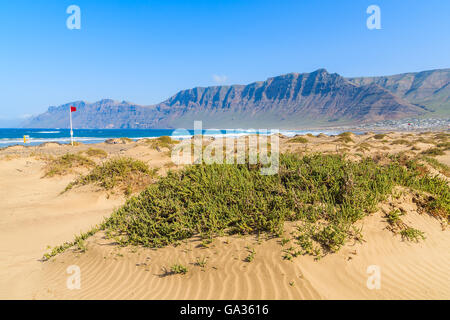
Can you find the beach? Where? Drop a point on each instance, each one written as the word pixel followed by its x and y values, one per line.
pixel 37 214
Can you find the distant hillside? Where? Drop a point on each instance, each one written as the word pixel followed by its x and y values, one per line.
pixel 288 101
pixel 428 88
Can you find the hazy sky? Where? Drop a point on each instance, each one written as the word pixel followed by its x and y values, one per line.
pixel 145 51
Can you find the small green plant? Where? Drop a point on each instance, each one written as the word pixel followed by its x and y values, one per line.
pixel 251 255
pixel 79 242
pixel 201 262
pixel 81 245
pixel 393 217
pixel 331 237
pixel 178 269
pixel 411 234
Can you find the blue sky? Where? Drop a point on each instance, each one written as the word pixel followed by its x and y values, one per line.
pixel 145 51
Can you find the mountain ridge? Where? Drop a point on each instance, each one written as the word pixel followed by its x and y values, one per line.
pixel 291 100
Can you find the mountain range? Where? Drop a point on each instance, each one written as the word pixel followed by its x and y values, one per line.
pixel 294 100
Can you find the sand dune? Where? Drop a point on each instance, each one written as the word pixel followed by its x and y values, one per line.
pixel 408 270
pixel 34 214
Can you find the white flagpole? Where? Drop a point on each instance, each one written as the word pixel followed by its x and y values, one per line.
pixel 71 129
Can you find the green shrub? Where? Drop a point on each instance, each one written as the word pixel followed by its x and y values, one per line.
pixel 99 153
pixel 126 173
pixel 66 163
pixel 379 136
pixel 400 141
pixel 298 140
pixel 212 199
pixel 162 142
pixel 433 152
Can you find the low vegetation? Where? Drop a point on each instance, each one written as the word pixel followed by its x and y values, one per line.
pixel 126 174
pixel 379 136
pixel 162 142
pixel 97 153
pixel 411 234
pixel 65 164
pixel 78 242
pixel 326 193
pixel 401 141
pixel 298 140
pixel 441 167
pixel 178 269
pixel 433 152
pixel 344 138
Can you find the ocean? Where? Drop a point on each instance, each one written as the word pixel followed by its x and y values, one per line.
pixel 9 137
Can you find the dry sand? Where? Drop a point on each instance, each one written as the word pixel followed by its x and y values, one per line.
pixel 34 214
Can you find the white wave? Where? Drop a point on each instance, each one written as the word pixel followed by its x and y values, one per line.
pixel 48 132
pixel 228 134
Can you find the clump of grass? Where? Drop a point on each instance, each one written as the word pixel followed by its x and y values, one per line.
pixel 441 167
pixel 344 139
pixel 66 163
pixel 126 140
pixel 125 173
pixel 178 269
pixel 98 153
pixel 79 242
pixel 201 262
pixel 411 234
pixel 379 136
pixel 298 140
pixel 364 146
pixel 444 146
pixel 423 140
pixel 251 255
pixel 394 219
pixel 433 152
pixel 442 136
pixel 210 200
pixel 162 142
pixel 332 237
pixel 400 141
pixel 398 226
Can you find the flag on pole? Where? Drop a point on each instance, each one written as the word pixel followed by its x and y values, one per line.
pixel 72 109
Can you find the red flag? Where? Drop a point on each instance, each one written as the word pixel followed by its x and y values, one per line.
pixel 73 109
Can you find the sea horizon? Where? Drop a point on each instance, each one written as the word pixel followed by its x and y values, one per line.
pixel 38 136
